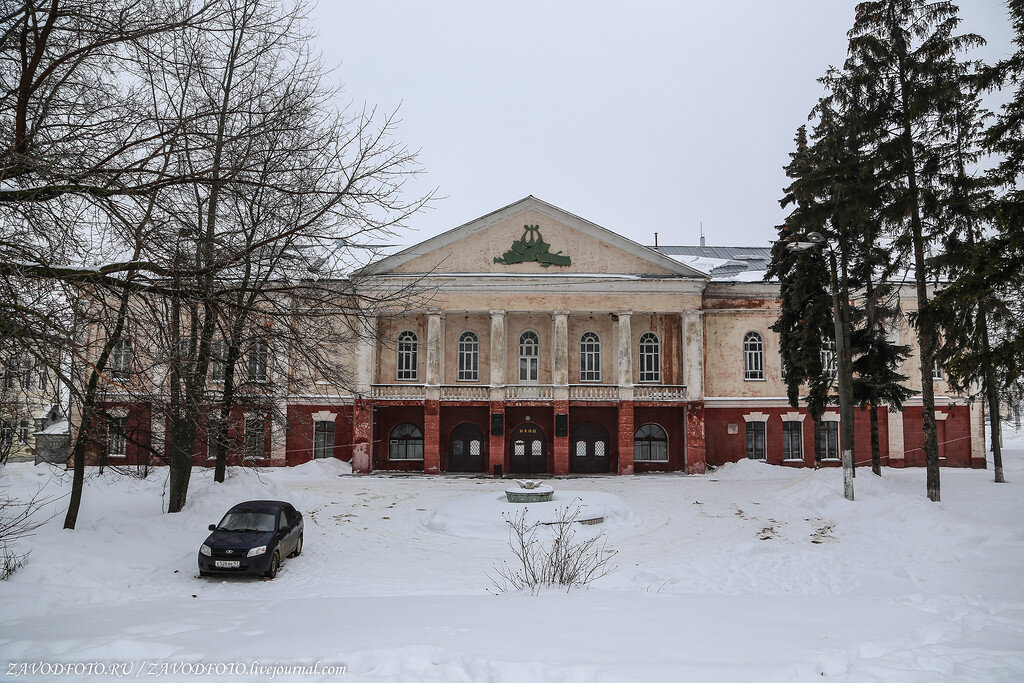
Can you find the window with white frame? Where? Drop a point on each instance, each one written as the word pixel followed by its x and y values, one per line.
pixel 323 439
pixel 42 376
pixel 529 357
pixel 469 357
pixel 827 435
pixel 792 440
pixel 937 372
pixel 590 357
pixel 6 434
pixel 753 356
pixel 255 437
pixel 407 355
pixel 258 356
pixel 828 357
pixel 10 373
pixel 756 440
pixel 120 359
pixel 117 437
pixel 650 444
pixel 26 372
pixel 650 357
pixel 218 356
pixel 405 442
pixel 23 431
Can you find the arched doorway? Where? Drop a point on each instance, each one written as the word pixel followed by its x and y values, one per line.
pixel 466 449
pixel 589 449
pixel 527 449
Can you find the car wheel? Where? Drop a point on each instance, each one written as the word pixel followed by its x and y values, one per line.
pixel 275 564
pixel 298 547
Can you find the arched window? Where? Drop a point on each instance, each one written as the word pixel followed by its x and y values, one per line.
pixel 405 442
pixel 650 444
pixel 590 357
pixel 529 356
pixel 650 357
pixel 407 361
pixel 753 356
pixel 469 357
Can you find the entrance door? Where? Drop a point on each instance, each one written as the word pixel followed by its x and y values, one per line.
pixel 466 449
pixel 589 449
pixel 527 450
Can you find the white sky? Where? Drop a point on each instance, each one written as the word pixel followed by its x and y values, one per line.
pixel 639 116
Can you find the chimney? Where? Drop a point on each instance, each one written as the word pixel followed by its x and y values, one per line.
pixel 655 240
pixel 702 233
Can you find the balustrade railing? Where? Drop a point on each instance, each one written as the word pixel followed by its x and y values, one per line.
pixel 659 392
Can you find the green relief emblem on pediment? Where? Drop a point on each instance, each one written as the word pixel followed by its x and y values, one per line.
pixel 531 247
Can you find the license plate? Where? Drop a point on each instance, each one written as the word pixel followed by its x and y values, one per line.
pixel 225 564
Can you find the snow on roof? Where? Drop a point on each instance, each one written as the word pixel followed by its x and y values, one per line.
pixel 739 264
pixel 60 427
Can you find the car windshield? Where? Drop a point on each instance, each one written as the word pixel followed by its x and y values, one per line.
pixel 247 520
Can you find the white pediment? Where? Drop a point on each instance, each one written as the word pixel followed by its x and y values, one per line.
pixel 494 245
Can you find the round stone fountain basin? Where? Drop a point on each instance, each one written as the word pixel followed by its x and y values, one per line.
pixel 540 494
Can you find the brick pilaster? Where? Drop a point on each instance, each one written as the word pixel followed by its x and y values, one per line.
pixel 496 442
pixel 362 437
pixel 431 437
pixel 696 453
pixel 561 463
pixel 626 437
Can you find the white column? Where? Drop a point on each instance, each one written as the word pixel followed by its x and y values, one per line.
pixel 435 349
pixel 365 352
pixel 624 352
pixel 693 354
pixel 560 366
pixel 497 359
pixel 978 450
pixel 896 436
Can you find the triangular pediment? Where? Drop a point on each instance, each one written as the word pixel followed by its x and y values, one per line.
pixel 530 237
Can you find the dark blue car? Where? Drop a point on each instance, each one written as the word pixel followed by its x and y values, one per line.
pixel 252 538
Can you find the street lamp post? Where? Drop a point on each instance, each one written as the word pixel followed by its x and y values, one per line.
pixel 839 307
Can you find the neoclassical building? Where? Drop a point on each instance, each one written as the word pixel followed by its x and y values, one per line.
pixel 549 344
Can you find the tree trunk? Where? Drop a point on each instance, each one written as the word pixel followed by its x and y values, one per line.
pixel 992 398
pixel 876 451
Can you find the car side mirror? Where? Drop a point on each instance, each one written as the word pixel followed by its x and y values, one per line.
pixel 213 527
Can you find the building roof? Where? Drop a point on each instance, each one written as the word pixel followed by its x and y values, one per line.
pixel 745 264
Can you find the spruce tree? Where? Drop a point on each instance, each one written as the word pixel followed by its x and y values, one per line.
pixel 903 54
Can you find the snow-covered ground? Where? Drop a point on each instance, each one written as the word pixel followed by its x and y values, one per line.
pixel 752 572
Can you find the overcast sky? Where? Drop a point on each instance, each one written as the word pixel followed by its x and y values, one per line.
pixel 639 116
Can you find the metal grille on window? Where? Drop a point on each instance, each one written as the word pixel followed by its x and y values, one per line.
pixel 469 357
pixel 117 436
pixel 650 444
pixel 529 357
pixel 792 441
pixel 755 440
pixel 406 442
pixel 581 449
pixel 538 447
pixel 474 447
pixel 650 358
pixel 323 439
pixel 519 448
pixel 407 355
pixel 254 437
pixel 599 449
pixel 753 356
pixel 590 357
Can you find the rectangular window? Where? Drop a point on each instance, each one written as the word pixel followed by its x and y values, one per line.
pixel 827 435
pixel 6 434
pixel 323 439
pixel 218 354
pixel 258 353
pixel 120 359
pixel 117 437
pixel 23 431
pixel 255 438
pixel 937 372
pixel 755 440
pixel 792 441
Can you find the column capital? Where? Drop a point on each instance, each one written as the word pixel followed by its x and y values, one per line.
pixel 561 313
pixel 497 313
pixel 624 314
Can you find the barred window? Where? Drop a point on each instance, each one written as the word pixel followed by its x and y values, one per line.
pixel 120 359
pixel 756 440
pixel 650 444
pixel 753 356
pixel 590 357
pixel 117 437
pixel 405 443
pixel 323 439
pixel 650 358
pixel 469 357
pixel 218 355
pixel 529 357
pixel 792 440
pixel 407 355
pixel 827 435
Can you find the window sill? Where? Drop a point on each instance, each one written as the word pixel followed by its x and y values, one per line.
pixel 117 455
pixel 475 380
pixel 831 459
pixel 405 459
pixel 656 462
pixel 792 460
pixel 755 379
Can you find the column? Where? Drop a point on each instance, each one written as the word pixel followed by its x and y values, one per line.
pixel 362 408
pixel 560 378
pixel 432 403
pixel 435 348
pixel 560 350
pixel 896 454
pixel 281 375
pixel 696 451
pixel 624 351
pixel 693 354
pixel 496 442
pixel 978 454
